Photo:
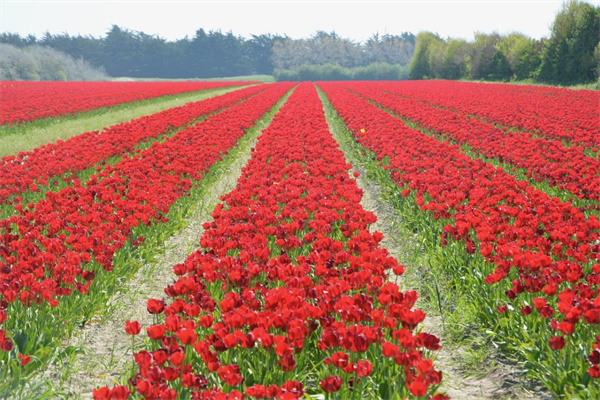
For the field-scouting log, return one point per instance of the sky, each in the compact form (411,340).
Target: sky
(356,20)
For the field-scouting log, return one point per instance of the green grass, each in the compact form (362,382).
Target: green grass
(57,183)
(260,78)
(586,86)
(518,173)
(50,130)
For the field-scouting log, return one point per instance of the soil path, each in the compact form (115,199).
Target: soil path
(495,380)
(108,348)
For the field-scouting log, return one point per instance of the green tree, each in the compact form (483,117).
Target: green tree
(420,66)
(456,58)
(121,48)
(523,55)
(483,63)
(258,50)
(390,49)
(568,55)
(436,52)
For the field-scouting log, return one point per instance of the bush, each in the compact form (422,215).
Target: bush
(330,72)
(381,72)
(37,63)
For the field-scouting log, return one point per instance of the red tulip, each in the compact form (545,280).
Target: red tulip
(331,384)
(557,342)
(132,327)
(155,332)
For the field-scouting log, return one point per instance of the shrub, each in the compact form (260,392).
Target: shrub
(333,72)
(35,63)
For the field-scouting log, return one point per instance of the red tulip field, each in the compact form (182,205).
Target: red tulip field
(289,291)
(25,101)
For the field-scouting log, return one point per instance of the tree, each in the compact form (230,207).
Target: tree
(523,55)
(43,63)
(568,55)
(13,39)
(17,64)
(258,50)
(483,63)
(456,58)
(390,49)
(121,48)
(435,56)
(420,66)
(499,67)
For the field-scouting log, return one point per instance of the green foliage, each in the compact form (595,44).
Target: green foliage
(34,63)
(329,48)
(597,60)
(330,72)
(380,71)
(127,53)
(327,72)
(570,55)
(483,64)
(523,55)
(214,54)
(456,59)
(500,69)
(421,64)
(390,49)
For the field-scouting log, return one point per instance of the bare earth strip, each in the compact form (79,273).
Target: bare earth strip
(65,128)
(495,380)
(108,356)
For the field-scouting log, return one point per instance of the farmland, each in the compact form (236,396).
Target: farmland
(282,286)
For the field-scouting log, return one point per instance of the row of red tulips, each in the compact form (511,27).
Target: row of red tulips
(34,100)
(59,244)
(567,168)
(290,293)
(548,249)
(29,170)
(554,113)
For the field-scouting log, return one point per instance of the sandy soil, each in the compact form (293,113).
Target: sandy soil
(107,347)
(497,379)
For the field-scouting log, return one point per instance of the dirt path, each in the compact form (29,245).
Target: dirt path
(491,382)
(107,346)
(495,379)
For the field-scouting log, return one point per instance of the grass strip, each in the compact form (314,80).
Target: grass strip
(67,179)
(50,130)
(590,207)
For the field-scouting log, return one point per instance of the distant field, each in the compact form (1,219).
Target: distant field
(261,78)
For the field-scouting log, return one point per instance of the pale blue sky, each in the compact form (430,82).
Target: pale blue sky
(356,20)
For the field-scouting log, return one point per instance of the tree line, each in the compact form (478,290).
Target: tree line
(124,52)
(570,55)
(327,56)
